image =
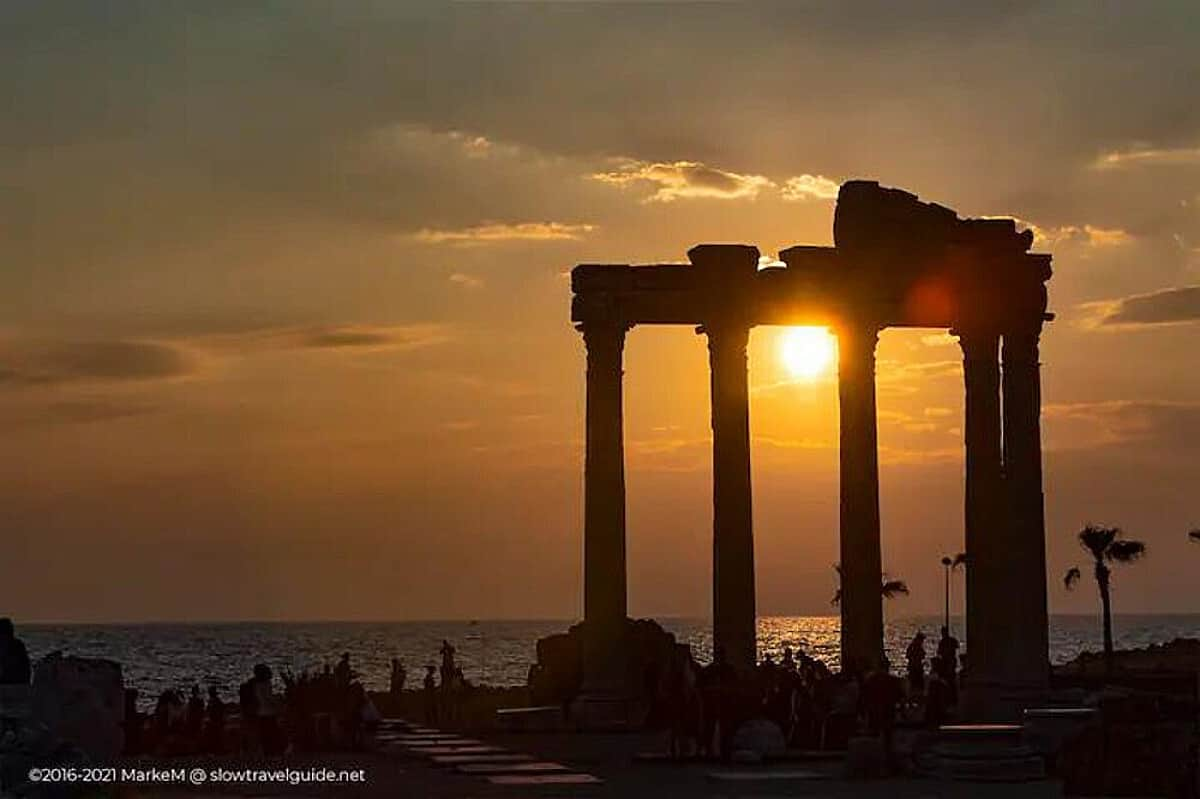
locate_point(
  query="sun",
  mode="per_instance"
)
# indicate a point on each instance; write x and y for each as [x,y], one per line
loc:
[806,352]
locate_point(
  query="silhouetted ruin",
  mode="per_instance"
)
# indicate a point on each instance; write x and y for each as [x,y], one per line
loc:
[897,262]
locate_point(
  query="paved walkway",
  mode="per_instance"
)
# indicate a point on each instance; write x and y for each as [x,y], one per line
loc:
[418,761]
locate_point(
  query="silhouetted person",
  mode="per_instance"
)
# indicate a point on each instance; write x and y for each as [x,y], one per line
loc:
[195,714]
[937,695]
[684,704]
[915,657]
[447,669]
[399,677]
[947,652]
[342,673]
[839,700]
[788,663]
[214,729]
[14,659]
[718,688]
[881,693]
[266,711]
[430,695]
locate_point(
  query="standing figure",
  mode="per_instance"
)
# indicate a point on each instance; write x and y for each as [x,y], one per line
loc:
[399,677]
[947,651]
[881,693]
[430,695]
[447,671]
[266,709]
[342,673]
[915,655]
[195,715]
[214,728]
[937,695]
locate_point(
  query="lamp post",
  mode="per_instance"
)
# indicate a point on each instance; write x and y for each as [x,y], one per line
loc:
[950,564]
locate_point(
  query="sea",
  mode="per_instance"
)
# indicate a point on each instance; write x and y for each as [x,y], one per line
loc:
[158,656]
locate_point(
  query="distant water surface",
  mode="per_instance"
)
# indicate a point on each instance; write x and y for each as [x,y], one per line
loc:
[160,656]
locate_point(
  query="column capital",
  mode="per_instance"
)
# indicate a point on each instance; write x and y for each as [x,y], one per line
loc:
[978,343]
[863,335]
[603,332]
[726,333]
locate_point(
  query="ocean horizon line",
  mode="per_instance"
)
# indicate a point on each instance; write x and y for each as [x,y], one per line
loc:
[519,619]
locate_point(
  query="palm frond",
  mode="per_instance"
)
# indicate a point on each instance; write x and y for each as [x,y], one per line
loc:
[1124,551]
[892,588]
[1095,539]
[1071,577]
[959,560]
[1194,535]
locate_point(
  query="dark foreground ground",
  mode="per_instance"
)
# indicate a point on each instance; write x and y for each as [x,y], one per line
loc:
[611,758]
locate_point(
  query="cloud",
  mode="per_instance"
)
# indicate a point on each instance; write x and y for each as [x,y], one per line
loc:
[1161,428]
[40,362]
[901,371]
[1165,307]
[684,180]
[467,281]
[1149,156]
[493,232]
[345,337]
[333,337]
[1087,235]
[810,187]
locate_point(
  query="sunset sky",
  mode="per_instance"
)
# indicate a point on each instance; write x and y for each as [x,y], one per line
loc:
[284,300]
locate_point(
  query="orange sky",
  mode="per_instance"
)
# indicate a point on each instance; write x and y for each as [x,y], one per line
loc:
[284,311]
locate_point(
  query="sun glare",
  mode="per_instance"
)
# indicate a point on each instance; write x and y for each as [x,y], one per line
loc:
[806,352]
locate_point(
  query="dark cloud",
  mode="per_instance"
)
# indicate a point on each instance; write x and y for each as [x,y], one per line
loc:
[1155,429]
[390,337]
[45,363]
[347,338]
[1169,306]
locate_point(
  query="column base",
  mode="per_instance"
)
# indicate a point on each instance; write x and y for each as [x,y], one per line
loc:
[996,701]
[599,712]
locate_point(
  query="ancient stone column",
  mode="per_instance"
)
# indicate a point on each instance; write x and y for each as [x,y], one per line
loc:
[862,570]
[604,479]
[1028,648]
[734,614]
[987,591]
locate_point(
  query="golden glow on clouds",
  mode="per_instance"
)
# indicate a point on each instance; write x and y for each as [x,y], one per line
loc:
[684,179]
[1169,156]
[807,352]
[495,231]
[810,187]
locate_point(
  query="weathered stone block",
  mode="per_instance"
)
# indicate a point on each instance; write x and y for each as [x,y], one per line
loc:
[81,700]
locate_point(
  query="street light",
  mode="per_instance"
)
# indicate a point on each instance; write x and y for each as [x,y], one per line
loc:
[951,564]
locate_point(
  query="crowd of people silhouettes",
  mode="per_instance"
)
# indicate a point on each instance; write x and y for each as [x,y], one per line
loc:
[812,706]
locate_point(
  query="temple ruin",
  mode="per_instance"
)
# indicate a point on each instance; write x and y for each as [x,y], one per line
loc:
[897,262]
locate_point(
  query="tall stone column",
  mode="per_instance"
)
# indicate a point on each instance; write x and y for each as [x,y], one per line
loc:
[1028,649]
[988,593]
[734,614]
[861,560]
[604,597]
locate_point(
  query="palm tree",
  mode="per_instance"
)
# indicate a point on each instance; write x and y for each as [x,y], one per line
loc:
[951,564]
[888,590]
[1194,535]
[1106,545]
